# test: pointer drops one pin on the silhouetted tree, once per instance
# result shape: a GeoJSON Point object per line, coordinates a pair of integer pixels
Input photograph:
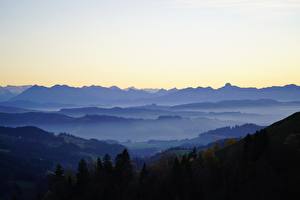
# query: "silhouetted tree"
{"type": "Point", "coordinates": [193, 154]}
{"type": "Point", "coordinates": [143, 174]}
{"type": "Point", "coordinates": [99, 168]}
{"type": "Point", "coordinates": [82, 174]}
{"type": "Point", "coordinates": [123, 166]}
{"type": "Point", "coordinates": [107, 164]}
{"type": "Point", "coordinates": [59, 172]}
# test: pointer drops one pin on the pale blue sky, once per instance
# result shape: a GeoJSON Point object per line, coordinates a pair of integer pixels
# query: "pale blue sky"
{"type": "Point", "coordinates": [154, 43]}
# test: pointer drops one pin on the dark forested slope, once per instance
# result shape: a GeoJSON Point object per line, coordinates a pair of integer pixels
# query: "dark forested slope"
{"type": "Point", "coordinates": [27, 153]}
{"type": "Point", "coordinates": [264, 165]}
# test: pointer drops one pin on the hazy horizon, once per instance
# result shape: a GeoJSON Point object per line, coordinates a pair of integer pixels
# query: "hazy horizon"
{"type": "Point", "coordinates": [149, 88]}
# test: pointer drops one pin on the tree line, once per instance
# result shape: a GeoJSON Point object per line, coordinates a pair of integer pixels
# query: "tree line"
{"type": "Point", "coordinates": [240, 170]}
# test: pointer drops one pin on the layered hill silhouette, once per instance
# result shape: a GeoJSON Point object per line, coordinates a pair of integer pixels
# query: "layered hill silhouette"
{"type": "Point", "coordinates": [36, 118]}
{"type": "Point", "coordinates": [231, 104]}
{"type": "Point", "coordinates": [201, 141]}
{"type": "Point", "coordinates": [9, 109]}
{"type": "Point", "coordinates": [114, 127]}
{"type": "Point", "coordinates": [167, 110]}
{"type": "Point", "coordinates": [263, 165]}
{"type": "Point", "coordinates": [261, 111]}
{"type": "Point", "coordinates": [222, 133]}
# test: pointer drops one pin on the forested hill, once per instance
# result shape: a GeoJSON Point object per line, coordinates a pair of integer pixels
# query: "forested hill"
{"type": "Point", "coordinates": [28, 153]}
{"type": "Point", "coordinates": [264, 165]}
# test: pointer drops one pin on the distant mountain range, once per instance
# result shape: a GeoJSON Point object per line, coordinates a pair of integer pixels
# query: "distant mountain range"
{"type": "Point", "coordinates": [9, 91]}
{"type": "Point", "coordinates": [109, 96]}
{"type": "Point", "coordinates": [93, 95]}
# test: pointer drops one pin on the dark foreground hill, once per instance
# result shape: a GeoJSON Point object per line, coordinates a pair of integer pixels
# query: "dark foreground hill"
{"type": "Point", "coordinates": [27, 153]}
{"type": "Point", "coordinates": [262, 166]}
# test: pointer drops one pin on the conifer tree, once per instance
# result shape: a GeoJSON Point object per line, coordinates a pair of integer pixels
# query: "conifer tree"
{"type": "Point", "coordinates": [143, 174]}
{"type": "Point", "coordinates": [107, 164]}
{"type": "Point", "coordinates": [83, 173]}
{"type": "Point", "coordinates": [59, 172]}
{"type": "Point", "coordinates": [99, 167]}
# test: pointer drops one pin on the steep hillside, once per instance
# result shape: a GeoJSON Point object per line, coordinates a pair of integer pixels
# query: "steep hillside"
{"type": "Point", "coordinates": [267, 163]}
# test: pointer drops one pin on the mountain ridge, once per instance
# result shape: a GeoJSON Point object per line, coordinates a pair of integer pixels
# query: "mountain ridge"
{"type": "Point", "coordinates": [97, 95]}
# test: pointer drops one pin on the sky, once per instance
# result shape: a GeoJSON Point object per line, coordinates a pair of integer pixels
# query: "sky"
{"type": "Point", "coordinates": [150, 43]}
